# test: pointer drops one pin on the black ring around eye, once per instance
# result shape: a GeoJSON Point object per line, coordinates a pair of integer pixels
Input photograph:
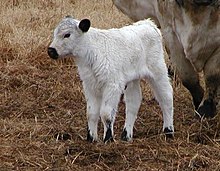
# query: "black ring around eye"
{"type": "Point", "coordinates": [67, 35]}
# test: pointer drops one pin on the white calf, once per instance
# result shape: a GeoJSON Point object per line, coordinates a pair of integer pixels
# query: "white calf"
{"type": "Point", "coordinates": [110, 60]}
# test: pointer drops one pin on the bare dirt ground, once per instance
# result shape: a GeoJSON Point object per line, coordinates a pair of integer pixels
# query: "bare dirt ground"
{"type": "Point", "coordinates": [42, 107]}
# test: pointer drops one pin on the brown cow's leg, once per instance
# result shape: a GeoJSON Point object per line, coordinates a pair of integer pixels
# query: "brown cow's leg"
{"type": "Point", "coordinates": [190, 80]}
{"type": "Point", "coordinates": [212, 80]}
{"type": "Point", "coordinates": [186, 71]}
{"type": "Point", "coordinates": [189, 77]}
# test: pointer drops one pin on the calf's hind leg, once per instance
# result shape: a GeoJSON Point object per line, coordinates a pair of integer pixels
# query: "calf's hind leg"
{"type": "Point", "coordinates": [163, 92]}
{"type": "Point", "coordinates": [133, 99]}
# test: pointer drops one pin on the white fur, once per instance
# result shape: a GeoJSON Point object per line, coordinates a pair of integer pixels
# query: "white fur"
{"type": "Point", "coordinates": [108, 60]}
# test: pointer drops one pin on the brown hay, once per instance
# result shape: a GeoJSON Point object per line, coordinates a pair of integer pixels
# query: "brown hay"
{"type": "Point", "coordinates": [42, 107]}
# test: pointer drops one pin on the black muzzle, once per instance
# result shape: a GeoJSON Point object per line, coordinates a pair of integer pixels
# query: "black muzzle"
{"type": "Point", "coordinates": [52, 52]}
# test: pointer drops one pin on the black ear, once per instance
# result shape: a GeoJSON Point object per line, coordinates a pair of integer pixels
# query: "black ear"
{"type": "Point", "coordinates": [84, 25]}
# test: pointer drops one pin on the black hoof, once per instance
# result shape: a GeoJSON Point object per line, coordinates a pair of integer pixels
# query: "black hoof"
{"type": "Point", "coordinates": [108, 136]}
{"type": "Point", "coordinates": [196, 91]}
{"type": "Point", "coordinates": [197, 97]}
{"type": "Point", "coordinates": [180, 3]}
{"type": "Point", "coordinates": [89, 137]}
{"type": "Point", "coordinates": [124, 135]}
{"type": "Point", "coordinates": [169, 133]}
{"type": "Point", "coordinates": [208, 109]}
{"type": "Point", "coordinates": [203, 2]}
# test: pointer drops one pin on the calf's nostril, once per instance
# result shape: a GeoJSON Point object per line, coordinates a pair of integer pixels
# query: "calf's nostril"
{"type": "Point", "coordinates": [52, 53]}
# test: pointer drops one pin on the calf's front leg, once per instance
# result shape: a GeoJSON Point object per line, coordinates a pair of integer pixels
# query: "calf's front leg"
{"type": "Point", "coordinates": [93, 107]}
{"type": "Point", "coordinates": [110, 100]}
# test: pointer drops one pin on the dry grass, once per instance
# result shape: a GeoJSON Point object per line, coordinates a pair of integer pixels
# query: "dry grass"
{"type": "Point", "coordinates": [42, 108]}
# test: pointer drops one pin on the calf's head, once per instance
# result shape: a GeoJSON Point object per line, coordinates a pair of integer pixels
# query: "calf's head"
{"type": "Point", "coordinates": [67, 36]}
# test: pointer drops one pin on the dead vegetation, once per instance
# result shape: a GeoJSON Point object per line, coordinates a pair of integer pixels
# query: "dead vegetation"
{"type": "Point", "coordinates": [42, 107]}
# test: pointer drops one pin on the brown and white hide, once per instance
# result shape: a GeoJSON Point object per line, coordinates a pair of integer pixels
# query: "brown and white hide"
{"type": "Point", "coordinates": [191, 29]}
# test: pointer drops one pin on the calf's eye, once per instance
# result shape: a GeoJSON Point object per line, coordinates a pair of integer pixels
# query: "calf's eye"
{"type": "Point", "coordinates": [67, 35]}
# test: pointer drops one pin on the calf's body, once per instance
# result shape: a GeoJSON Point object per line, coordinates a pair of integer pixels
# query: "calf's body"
{"type": "Point", "coordinates": [112, 62]}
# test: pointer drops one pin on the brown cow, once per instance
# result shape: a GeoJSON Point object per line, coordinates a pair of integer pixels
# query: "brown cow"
{"type": "Point", "coordinates": [191, 29]}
